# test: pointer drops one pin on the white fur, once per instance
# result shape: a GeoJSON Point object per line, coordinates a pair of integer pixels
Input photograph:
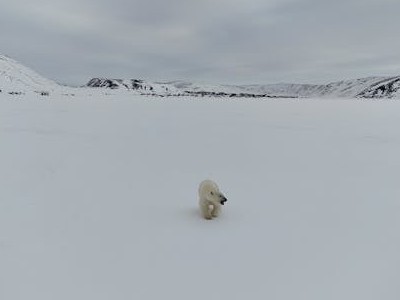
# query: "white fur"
{"type": "Point", "coordinates": [210, 199]}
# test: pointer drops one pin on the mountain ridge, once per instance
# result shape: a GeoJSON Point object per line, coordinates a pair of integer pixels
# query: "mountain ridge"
{"type": "Point", "coordinates": [15, 78]}
{"type": "Point", "coordinates": [368, 87]}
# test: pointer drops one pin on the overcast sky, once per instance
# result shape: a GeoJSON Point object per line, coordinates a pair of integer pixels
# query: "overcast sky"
{"type": "Point", "coordinates": [211, 41]}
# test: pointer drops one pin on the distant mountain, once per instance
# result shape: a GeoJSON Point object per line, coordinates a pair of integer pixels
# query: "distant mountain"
{"type": "Point", "coordinates": [384, 88]}
{"type": "Point", "coordinates": [16, 78]}
{"type": "Point", "coordinates": [370, 87]}
{"type": "Point", "coordinates": [139, 85]}
{"type": "Point", "coordinates": [183, 88]}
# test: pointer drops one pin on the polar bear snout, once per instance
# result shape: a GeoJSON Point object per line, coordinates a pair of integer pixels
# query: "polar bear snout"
{"type": "Point", "coordinates": [223, 200]}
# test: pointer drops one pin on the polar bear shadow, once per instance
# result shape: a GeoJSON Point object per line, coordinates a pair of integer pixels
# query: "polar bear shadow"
{"type": "Point", "coordinates": [191, 213]}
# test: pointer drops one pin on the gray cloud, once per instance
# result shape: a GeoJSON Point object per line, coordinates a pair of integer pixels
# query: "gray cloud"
{"type": "Point", "coordinates": [225, 41]}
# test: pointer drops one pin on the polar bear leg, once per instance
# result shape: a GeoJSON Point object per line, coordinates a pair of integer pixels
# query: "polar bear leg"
{"type": "Point", "coordinates": [215, 210]}
{"type": "Point", "coordinates": [205, 210]}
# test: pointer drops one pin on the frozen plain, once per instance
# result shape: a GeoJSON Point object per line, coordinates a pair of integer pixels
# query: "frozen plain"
{"type": "Point", "coordinates": [98, 198]}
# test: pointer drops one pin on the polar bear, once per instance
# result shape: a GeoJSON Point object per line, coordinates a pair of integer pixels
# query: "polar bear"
{"type": "Point", "coordinates": [210, 199]}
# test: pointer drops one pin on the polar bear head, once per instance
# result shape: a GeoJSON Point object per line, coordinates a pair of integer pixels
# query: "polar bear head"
{"type": "Point", "coordinates": [209, 190]}
{"type": "Point", "coordinates": [218, 197]}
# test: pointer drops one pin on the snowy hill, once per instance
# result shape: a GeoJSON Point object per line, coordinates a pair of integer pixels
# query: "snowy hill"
{"type": "Point", "coordinates": [370, 87]}
{"type": "Point", "coordinates": [355, 88]}
{"type": "Point", "coordinates": [384, 88]}
{"type": "Point", "coordinates": [341, 89]}
{"type": "Point", "coordinates": [16, 78]}
{"type": "Point", "coordinates": [141, 86]}
{"type": "Point", "coordinates": [184, 88]}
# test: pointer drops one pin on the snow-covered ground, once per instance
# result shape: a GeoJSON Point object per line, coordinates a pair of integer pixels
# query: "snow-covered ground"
{"type": "Point", "coordinates": [98, 198]}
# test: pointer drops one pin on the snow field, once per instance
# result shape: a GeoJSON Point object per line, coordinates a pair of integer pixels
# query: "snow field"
{"type": "Point", "coordinates": [98, 198]}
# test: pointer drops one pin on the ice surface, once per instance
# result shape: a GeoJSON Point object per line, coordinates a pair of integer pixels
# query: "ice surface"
{"type": "Point", "coordinates": [98, 198]}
